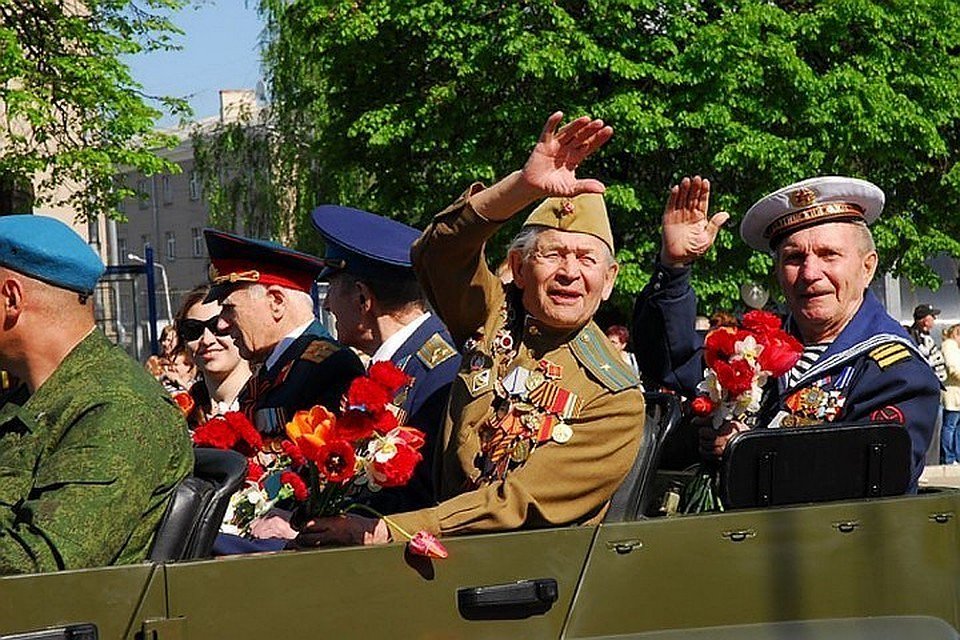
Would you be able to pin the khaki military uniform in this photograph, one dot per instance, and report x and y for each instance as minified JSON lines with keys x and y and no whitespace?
{"x":88,"y":464}
{"x":542,"y":426}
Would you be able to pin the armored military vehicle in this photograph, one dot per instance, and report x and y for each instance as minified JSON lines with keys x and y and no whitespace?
{"x":867,"y":566}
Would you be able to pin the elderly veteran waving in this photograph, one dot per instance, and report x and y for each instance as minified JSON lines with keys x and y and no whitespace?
{"x":858,"y":362}
{"x":544,"y":418}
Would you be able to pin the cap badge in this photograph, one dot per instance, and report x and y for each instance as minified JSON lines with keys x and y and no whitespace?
{"x":566,"y":208}
{"x":803,"y":197}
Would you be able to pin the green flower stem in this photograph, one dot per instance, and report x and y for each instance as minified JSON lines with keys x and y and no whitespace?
{"x":377,"y":514}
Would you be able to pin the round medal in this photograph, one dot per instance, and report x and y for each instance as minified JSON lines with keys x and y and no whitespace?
{"x":534,"y":380}
{"x":561,"y":433}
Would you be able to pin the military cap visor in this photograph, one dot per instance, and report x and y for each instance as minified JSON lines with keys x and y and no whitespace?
{"x":362,"y":243}
{"x":236,"y":261}
{"x":50,"y":251}
{"x":809,"y":203}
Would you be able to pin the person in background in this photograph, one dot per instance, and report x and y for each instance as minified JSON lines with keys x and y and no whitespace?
{"x":723,"y":319}
{"x":381,"y":311}
{"x":619,"y":335}
{"x":91,"y":448}
{"x":222,"y":372}
{"x":950,"y":431}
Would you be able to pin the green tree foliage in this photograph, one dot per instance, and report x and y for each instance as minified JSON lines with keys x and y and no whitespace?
{"x":397,"y":105}
{"x":71,"y":113}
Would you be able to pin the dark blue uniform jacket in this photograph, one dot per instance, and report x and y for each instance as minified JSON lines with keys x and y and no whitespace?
{"x":872,"y":371}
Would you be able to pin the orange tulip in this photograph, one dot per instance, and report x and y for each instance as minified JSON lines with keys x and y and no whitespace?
{"x":312,"y":429}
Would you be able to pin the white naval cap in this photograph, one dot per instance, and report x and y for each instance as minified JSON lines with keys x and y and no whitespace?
{"x":807,"y":203}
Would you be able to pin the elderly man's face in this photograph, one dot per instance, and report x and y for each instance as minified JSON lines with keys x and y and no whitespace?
{"x":249,"y":321}
{"x":565,"y":278}
{"x":344,"y":300}
{"x":824,"y":271}
{"x":926,"y":322}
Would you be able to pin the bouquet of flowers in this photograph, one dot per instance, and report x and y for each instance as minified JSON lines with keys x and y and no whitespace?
{"x":740,"y":361}
{"x":326,"y":460}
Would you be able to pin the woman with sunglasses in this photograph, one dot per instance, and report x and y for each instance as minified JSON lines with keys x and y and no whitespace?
{"x":222,"y":371}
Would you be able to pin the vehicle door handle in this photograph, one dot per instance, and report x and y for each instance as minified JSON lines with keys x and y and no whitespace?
{"x":510,"y":601}
{"x":82,"y":631}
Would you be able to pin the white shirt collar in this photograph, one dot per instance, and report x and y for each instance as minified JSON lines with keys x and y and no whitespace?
{"x":392,"y":344}
{"x":284,"y":344}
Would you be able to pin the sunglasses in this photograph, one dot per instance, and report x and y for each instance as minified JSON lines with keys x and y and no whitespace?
{"x":191,"y":329}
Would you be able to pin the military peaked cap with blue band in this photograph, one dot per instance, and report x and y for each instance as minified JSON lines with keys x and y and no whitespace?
{"x":235,"y":260}
{"x":362,"y":243}
{"x":48,"y":250}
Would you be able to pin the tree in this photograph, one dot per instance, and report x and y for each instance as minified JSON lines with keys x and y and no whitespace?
{"x":397,"y":105}
{"x":71,"y":112}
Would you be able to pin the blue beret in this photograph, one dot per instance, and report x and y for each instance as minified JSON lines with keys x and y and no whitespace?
{"x":362,"y":243}
{"x":48,"y":250}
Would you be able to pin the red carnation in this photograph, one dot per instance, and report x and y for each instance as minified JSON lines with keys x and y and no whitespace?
{"x":366,"y":394}
{"x":254,"y":471}
{"x":780,"y":352}
{"x":337,"y":461}
{"x":384,"y":421}
{"x":214,"y":433}
{"x":355,"y":425}
{"x":398,"y":470}
{"x":248,"y":440}
{"x":185,"y":401}
{"x":760,"y":322}
{"x":735,"y":376}
{"x":413,"y":437}
{"x":702,"y":406}
{"x":293,"y":451}
{"x":387,"y":375}
{"x":300,"y":491}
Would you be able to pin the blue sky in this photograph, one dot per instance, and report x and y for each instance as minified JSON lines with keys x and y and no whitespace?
{"x":219,"y":51}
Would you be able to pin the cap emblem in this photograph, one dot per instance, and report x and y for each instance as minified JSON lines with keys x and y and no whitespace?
{"x":233,"y":276}
{"x":566,"y":208}
{"x":803,"y":197}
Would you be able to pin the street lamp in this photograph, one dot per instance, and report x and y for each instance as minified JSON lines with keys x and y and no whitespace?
{"x":163,"y":276}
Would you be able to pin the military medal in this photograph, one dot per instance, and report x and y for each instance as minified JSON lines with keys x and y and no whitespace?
{"x":551,"y":370}
{"x":520,"y":451}
{"x":534,"y":380}
{"x":561,"y":433}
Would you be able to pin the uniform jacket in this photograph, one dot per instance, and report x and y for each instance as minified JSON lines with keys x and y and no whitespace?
{"x":542,"y":481}
{"x":88,"y":462}
{"x":429,"y":358}
{"x":872,"y":371}
{"x":314,"y":369}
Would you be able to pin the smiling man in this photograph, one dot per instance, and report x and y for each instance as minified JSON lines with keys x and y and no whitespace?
{"x":858,"y":363}
{"x":544,"y":418}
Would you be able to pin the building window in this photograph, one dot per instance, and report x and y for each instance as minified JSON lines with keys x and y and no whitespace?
{"x":122,"y":250}
{"x":197,"y":236}
{"x":167,"y":190}
{"x":171,"y":246}
{"x":195,"y":187}
{"x":143,"y":193}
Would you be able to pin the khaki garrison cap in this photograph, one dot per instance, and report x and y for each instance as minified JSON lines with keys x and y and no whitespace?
{"x":585,"y":213}
{"x":809,"y":203}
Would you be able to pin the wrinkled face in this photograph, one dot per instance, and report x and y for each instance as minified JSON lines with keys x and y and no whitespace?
{"x":344,"y":300}
{"x":213,"y":354}
{"x":565,"y":278}
{"x":926,"y":322}
{"x":824,"y":271}
{"x":249,"y":321}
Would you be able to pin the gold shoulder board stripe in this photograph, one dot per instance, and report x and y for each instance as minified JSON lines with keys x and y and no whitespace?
{"x":889,"y":354}
{"x":435,"y":351}
{"x":883,"y":363}
{"x":318,"y":351}
{"x":886,"y":349}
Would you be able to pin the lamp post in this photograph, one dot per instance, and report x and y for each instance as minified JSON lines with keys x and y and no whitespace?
{"x":163,"y":276}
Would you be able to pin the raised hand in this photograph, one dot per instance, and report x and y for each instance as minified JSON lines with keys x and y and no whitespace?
{"x":552,"y":164}
{"x":687,"y":232}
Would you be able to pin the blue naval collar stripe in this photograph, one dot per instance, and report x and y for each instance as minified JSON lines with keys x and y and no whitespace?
{"x":839,"y":358}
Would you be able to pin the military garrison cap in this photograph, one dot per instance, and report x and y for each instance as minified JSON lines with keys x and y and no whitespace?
{"x":235,"y":260}
{"x":362,"y":243}
{"x":48,"y":250}
{"x":585,"y":213}
{"x":809,"y":203}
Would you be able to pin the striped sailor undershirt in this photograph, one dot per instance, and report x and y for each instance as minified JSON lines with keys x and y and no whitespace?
{"x":811,"y":353}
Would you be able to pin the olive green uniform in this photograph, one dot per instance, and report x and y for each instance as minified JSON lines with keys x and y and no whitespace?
{"x":88,"y":464}
{"x":493,"y":483}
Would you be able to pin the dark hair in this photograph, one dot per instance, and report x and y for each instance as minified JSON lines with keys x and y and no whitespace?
{"x":619,"y":331}
{"x":189,"y":300}
{"x":723,"y":319}
{"x":394,"y":293}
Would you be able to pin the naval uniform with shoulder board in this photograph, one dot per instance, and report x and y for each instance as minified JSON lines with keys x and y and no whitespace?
{"x":542,"y":425}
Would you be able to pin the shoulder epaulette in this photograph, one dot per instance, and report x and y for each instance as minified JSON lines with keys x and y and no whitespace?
{"x":435,"y":351}
{"x":594,"y":351}
{"x":319,"y":350}
{"x":889,"y":354}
